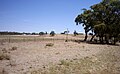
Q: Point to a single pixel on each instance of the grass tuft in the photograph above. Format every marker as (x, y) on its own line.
(13, 48)
(4, 56)
(49, 44)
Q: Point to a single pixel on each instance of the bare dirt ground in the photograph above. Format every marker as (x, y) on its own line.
(38, 57)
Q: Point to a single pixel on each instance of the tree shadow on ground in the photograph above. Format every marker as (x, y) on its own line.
(94, 42)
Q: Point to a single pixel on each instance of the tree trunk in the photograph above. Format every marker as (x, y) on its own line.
(85, 36)
(114, 40)
(107, 39)
(92, 38)
(101, 38)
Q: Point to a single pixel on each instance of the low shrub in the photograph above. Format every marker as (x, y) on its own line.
(4, 50)
(13, 48)
(52, 33)
(49, 44)
(4, 56)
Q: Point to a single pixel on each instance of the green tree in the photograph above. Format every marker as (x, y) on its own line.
(52, 33)
(41, 33)
(85, 21)
(102, 19)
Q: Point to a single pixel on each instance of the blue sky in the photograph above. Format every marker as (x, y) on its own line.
(41, 15)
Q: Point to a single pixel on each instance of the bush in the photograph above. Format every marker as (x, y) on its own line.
(41, 33)
(13, 48)
(52, 33)
(4, 56)
(75, 33)
(4, 50)
(49, 44)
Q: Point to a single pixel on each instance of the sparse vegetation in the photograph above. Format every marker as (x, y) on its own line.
(64, 62)
(4, 50)
(58, 56)
(57, 53)
(75, 33)
(87, 65)
(4, 56)
(13, 48)
(49, 44)
(39, 52)
(43, 33)
(52, 33)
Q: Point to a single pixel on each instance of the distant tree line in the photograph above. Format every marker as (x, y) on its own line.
(52, 33)
(103, 19)
(10, 33)
(16, 33)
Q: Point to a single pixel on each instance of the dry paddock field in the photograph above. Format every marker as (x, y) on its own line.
(52, 55)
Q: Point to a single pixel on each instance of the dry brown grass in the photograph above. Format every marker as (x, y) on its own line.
(52, 55)
(49, 44)
(13, 48)
(4, 56)
(106, 62)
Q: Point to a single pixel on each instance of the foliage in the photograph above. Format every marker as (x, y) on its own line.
(102, 19)
(41, 33)
(34, 33)
(75, 33)
(65, 32)
(52, 33)
(10, 33)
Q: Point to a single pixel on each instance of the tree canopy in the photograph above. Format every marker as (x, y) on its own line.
(103, 19)
(52, 33)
